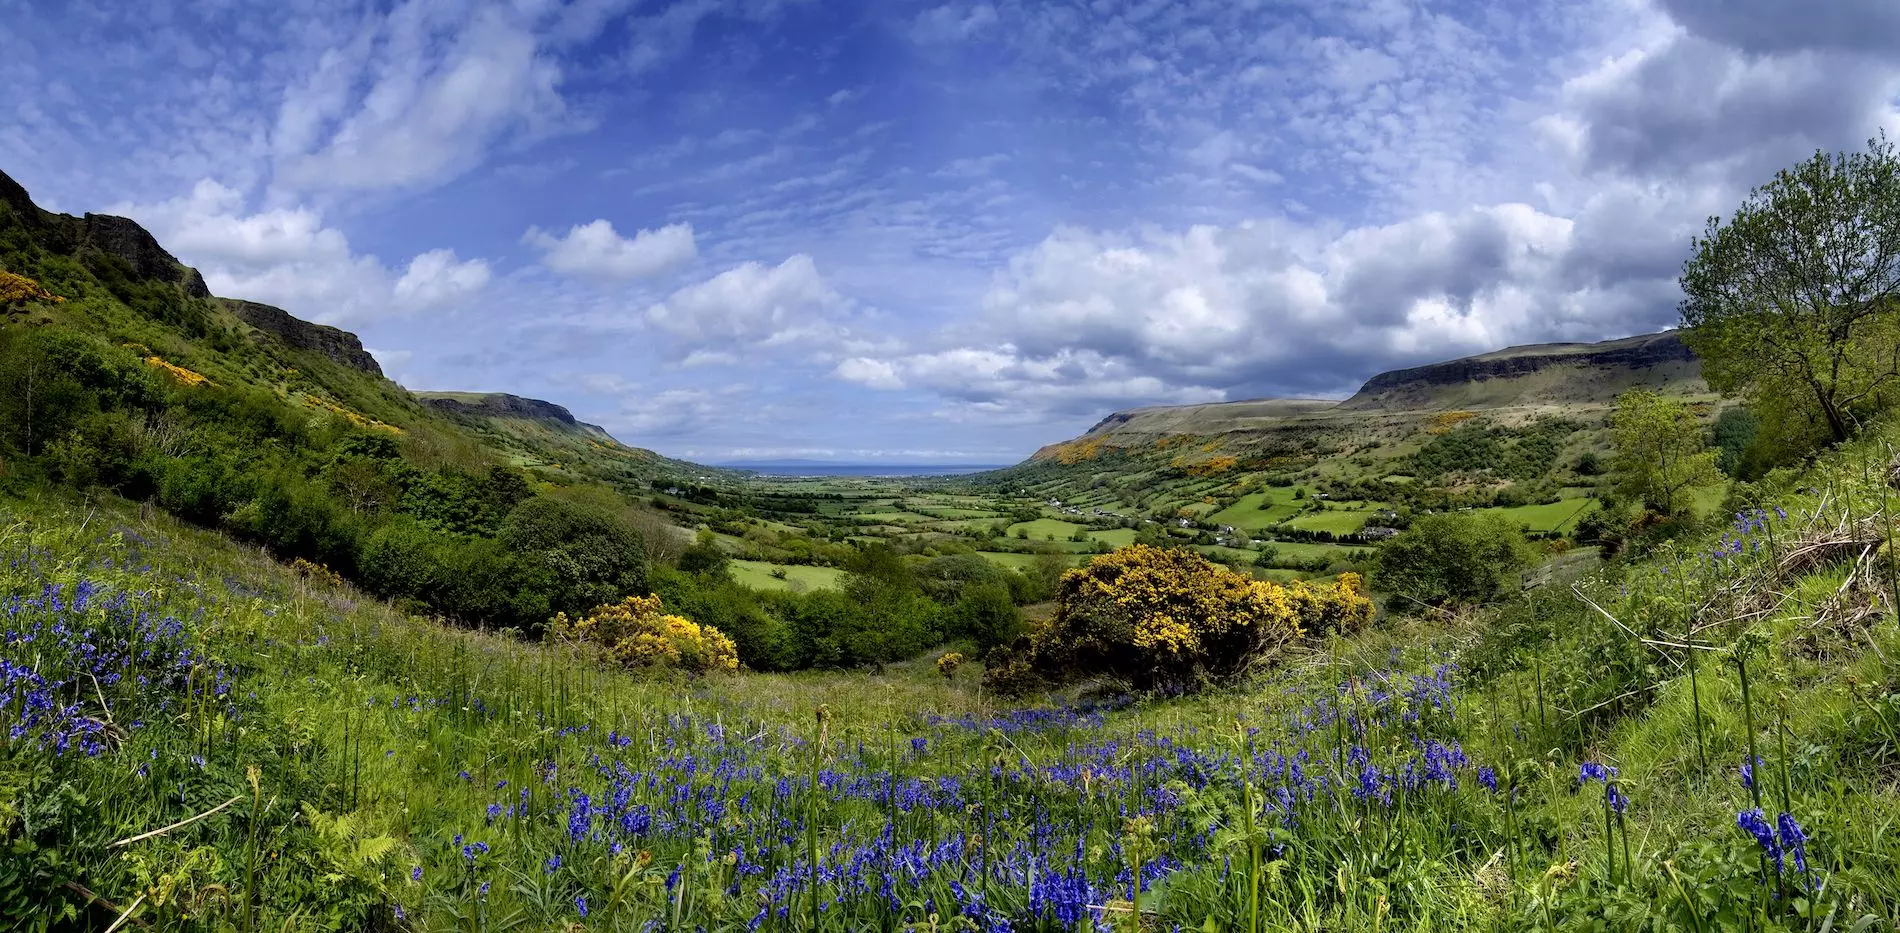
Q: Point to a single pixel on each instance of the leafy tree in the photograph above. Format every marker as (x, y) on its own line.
(581, 549)
(1796, 296)
(1733, 434)
(704, 555)
(1452, 557)
(1662, 453)
(986, 614)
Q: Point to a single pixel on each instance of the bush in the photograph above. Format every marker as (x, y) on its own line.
(1170, 619)
(1453, 557)
(588, 550)
(636, 633)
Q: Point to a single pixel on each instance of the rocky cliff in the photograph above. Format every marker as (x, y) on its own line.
(1407, 387)
(338, 345)
(121, 237)
(503, 405)
(1541, 377)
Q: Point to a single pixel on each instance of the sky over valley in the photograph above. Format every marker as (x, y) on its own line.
(869, 230)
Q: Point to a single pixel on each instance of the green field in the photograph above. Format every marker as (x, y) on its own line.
(1246, 514)
(1307, 550)
(1025, 561)
(1339, 522)
(1042, 528)
(758, 575)
(1561, 515)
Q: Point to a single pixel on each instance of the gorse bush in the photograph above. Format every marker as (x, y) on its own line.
(636, 632)
(1171, 619)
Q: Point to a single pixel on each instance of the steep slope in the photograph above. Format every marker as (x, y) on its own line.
(121, 284)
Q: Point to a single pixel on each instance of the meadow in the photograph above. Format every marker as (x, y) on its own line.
(202, 738)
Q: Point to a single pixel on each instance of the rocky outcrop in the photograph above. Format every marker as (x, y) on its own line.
(114, 236)
(503, 405)
(124, 238)
(1629, 353)
(338, 345)
(15, 197)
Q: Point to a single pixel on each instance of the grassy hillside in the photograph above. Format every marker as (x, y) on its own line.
(202, 737)
(119, 371)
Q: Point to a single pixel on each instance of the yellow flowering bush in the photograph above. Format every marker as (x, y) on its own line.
(16, 289)
(179, 373)
(1171, 619)
(947, 664)
(637, 632)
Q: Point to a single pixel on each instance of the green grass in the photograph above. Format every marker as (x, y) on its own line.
(1042, 528)
(376, 739)
(1246, 513)
(1337, 521)
(1560, 516)
(758, 575)
(1024, 561)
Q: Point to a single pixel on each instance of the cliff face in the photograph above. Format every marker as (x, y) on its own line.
(1557, 375)
(1643, 352)
(498, 404)
(104, 233)
(338, 345)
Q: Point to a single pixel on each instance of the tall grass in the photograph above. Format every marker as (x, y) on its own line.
(202, 739)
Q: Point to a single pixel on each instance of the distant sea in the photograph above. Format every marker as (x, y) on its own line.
(819, 468)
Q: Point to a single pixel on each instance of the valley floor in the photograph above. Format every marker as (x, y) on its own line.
(201, 738)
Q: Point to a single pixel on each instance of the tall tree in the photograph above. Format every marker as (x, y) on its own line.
(1797, 294)
(1662, 452)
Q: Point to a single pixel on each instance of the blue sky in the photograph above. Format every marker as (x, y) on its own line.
(927, 231)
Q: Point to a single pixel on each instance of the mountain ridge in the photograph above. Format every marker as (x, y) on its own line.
(1531, 376)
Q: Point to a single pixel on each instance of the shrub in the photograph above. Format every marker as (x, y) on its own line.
(948, 663)
(636, 633)
(1170, 619)
(1452, 557)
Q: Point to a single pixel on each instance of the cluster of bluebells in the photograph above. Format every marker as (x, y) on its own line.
(1748, 533)
(66, 647)
(999, 840)
(1780, 842)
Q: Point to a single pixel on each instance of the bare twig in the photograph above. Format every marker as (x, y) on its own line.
(184, 822)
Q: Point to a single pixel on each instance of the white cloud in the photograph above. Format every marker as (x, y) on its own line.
(421, 96)
(877, 374)
(953, 21)
(437, 277)
(751, 304)
(289, 258)
(595, 249)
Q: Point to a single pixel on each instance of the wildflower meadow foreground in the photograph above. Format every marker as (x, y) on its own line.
(200, 739)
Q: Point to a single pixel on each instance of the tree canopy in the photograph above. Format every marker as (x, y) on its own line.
(1796, 298)
(1662, 452)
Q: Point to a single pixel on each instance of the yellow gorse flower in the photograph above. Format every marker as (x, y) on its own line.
(637, 632)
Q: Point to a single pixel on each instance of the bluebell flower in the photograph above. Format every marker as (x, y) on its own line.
(1793, 840)
(580, 904)
(1752, 822)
